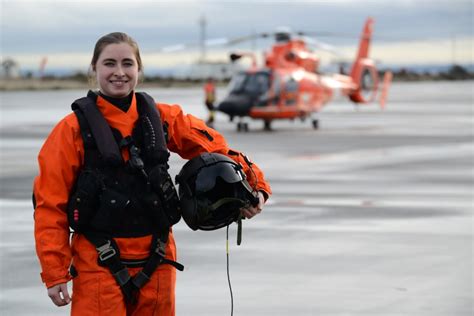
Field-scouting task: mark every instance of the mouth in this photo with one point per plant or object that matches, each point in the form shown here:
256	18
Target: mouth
118	83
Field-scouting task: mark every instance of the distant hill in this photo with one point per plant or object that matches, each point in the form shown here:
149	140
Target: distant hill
190	73
435	72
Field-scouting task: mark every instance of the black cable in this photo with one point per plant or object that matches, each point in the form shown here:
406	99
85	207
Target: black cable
228	274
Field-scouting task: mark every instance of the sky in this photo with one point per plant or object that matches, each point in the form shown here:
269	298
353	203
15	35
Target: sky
405	32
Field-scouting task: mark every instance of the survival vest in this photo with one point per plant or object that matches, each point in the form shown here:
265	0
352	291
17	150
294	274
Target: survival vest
114	198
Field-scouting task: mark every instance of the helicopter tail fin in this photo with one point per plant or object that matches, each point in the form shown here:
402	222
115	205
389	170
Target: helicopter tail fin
363	72
365	38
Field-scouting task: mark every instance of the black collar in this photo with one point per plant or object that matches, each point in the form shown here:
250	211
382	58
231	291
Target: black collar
122	103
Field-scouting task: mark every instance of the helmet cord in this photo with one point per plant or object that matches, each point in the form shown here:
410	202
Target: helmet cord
228	274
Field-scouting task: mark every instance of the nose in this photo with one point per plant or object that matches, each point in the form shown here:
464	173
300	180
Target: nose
119	71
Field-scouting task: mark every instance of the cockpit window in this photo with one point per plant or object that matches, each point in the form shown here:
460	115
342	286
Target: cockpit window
237	82
252	83
291	85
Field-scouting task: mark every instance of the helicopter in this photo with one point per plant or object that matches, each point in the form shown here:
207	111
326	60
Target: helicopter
290	86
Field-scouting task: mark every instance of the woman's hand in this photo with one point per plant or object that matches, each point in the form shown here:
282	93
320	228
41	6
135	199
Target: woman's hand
251	211
59	294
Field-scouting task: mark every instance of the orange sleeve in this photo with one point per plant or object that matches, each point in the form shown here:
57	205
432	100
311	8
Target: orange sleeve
189	136
59	161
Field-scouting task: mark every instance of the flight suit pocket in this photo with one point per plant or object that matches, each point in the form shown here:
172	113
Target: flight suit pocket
111	211
83	202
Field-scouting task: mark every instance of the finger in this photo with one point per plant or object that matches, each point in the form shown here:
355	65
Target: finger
246	213
65	292
250	212
261	200
55	294
57	300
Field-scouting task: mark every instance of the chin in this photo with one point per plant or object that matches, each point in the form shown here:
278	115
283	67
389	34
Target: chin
117	94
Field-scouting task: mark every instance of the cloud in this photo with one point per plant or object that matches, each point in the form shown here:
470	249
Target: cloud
66	28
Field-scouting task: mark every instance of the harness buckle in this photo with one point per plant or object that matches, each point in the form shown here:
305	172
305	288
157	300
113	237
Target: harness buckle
160	248
106	251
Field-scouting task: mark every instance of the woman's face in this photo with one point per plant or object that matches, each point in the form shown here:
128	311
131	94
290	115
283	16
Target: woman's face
117	70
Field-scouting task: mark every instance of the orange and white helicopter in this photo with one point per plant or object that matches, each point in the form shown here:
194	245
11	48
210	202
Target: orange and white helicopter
289	85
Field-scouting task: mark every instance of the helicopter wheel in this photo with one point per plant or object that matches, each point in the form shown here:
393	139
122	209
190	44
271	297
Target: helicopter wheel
267	125
315	124
242	127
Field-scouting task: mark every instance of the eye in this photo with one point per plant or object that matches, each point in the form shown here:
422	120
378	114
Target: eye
128	63
109	63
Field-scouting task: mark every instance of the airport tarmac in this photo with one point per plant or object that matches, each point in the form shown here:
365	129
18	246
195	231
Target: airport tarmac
372	214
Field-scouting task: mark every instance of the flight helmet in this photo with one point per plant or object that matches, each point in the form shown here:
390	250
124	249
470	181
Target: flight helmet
212	189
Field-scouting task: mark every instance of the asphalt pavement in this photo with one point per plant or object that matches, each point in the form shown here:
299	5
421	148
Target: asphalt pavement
372	214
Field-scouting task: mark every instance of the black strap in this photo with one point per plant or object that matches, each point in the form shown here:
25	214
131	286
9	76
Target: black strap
157	257
91	154
109	256
151	118
99	128
95	127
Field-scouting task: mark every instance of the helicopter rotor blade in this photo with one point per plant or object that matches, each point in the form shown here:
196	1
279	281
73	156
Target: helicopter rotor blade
173	48
241	39
308	37
216	41
321	45
327	34
220	41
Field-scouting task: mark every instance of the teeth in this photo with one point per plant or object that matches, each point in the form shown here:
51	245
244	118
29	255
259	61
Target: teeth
119	83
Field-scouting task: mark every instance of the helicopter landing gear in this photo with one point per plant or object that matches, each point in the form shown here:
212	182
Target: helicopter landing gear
242	127
267	125
315	120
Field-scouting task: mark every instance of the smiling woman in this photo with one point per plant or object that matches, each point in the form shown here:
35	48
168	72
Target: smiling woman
104	174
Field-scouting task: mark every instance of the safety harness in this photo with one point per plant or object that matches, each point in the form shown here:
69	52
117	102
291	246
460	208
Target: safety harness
114	198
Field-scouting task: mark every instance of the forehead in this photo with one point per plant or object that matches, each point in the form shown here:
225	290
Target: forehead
118	52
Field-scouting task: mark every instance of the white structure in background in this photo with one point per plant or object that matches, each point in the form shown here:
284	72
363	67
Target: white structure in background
202	70
205	68
10	69
217	67
217	70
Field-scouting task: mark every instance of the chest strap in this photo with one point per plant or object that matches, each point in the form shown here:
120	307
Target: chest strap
102	134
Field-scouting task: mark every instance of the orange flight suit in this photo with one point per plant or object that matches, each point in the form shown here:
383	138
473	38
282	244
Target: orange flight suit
95	291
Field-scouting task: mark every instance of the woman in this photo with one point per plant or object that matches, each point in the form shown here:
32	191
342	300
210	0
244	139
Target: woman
99	288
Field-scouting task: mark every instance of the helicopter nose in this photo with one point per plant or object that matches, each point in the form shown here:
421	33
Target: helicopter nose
235	105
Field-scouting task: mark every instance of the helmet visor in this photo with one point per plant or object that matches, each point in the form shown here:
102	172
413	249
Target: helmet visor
229	173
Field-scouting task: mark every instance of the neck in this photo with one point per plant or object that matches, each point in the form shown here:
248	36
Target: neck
121	103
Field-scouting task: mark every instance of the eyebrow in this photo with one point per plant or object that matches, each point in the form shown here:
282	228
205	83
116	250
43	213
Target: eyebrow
114	60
